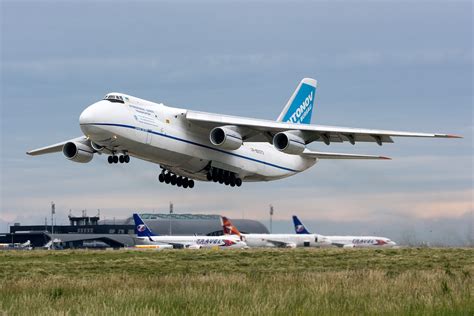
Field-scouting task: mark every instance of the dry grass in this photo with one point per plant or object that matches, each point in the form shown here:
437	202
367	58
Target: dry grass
281	282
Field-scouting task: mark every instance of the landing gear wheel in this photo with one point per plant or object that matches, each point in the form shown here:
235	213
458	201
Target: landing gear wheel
116	159
173	180
191	184
110	159
179	181
121	160
161	178
209	176
185	183
167	178
238	182
126	158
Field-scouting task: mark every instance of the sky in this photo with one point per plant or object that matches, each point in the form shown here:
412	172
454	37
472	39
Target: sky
400	65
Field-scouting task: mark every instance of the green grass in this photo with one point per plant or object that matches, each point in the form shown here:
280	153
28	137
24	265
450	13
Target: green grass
215	282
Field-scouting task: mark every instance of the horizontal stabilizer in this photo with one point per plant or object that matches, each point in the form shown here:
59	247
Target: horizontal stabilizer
324	155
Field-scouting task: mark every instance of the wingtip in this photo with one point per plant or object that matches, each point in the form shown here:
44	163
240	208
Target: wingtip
385	158
449	136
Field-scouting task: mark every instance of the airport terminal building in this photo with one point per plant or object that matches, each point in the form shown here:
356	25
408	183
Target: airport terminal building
91	232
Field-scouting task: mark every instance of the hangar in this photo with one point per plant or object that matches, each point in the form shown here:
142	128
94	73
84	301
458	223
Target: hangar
91	232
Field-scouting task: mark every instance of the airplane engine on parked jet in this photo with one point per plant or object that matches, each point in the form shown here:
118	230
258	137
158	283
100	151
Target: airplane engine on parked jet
225	138
78	152
291	245
349	246
289	143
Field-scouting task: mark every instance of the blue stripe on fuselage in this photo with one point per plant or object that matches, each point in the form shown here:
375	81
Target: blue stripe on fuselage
193	143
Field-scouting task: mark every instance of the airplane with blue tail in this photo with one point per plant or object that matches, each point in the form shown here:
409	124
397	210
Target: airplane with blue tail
191	145
345	241
145	234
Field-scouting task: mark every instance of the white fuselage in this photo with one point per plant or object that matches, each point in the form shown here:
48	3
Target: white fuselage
282	240
357	241
199	241
162	135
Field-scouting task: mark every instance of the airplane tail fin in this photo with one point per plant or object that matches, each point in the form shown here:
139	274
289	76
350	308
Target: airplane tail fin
299	107
299	227
229	228
141	229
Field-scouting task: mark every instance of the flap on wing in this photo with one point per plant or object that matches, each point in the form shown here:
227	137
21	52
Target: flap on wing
324	155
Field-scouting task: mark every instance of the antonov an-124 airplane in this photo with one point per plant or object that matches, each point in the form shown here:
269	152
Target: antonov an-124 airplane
190	145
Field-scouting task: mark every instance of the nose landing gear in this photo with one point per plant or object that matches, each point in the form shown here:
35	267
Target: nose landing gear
116	159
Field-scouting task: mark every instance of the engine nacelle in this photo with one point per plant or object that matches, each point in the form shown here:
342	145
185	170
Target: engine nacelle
225	138
290	245
78	152
289	143
349	246
194	246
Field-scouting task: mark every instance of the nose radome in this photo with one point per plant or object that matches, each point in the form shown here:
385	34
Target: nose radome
87	115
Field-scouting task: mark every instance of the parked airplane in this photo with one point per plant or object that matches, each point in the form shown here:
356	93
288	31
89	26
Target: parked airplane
345	241
192	242
212	147
272	240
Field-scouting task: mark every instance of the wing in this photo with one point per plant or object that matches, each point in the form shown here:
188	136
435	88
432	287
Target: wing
277	243
54	148
258	130
323	155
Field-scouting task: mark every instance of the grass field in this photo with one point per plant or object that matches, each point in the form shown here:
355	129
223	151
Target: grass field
277	282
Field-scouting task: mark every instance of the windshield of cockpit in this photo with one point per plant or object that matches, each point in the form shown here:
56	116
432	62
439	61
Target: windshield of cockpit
114	98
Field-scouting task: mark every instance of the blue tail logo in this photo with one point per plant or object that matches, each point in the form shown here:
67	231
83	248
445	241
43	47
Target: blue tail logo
299	227
140	227
299	108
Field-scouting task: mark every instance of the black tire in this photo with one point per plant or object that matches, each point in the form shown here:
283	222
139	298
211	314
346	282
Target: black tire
238	182
167	178
226	181
110	159
173	179
209	176
185	183
215	176
232	181
161	178
127	158
116	159
191	184
179	181
121	159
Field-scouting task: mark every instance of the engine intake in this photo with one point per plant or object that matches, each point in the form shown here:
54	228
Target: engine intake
78	152
289	143
225	138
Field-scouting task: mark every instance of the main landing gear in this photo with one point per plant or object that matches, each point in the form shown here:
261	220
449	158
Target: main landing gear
116	159
223	177
170	178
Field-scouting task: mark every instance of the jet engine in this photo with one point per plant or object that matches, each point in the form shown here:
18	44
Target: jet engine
78	152
194	246
225	138
289	143
349	246
290	245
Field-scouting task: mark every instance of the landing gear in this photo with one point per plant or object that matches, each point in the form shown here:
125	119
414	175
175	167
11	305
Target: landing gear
116	159
223	177
170	178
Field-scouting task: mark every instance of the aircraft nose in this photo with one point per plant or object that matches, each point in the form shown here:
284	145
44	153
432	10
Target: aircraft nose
87	115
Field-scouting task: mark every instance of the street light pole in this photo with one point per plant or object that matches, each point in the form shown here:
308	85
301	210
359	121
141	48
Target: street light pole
171	212
53	211
271	219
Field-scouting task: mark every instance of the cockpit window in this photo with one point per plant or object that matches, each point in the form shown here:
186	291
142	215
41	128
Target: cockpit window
114	98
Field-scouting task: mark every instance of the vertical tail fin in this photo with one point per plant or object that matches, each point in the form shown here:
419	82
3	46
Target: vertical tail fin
299	227
229	228
299	107
141	229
